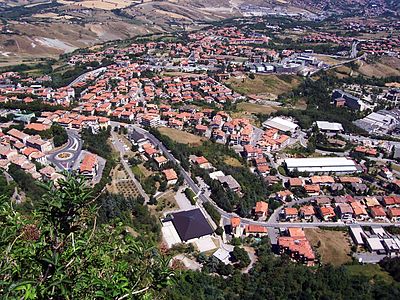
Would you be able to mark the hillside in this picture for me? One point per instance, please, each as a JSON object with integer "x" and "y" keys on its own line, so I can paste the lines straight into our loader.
{"x": 41, "y": 28}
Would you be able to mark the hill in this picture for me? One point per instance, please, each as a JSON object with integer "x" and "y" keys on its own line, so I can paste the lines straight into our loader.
{"x": 41, "y": 28}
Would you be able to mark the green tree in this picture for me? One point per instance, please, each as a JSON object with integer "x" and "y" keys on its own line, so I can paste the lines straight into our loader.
{"x": 60, "y": 136}
{"x": 240, "y": 257}
{"x": 59, "y": 253}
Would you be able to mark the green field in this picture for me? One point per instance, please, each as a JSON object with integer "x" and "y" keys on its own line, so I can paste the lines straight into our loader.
{"x": 372, "y": 272}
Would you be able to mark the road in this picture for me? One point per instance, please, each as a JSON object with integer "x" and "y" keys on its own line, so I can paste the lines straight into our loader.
{"x": 270, "y": 223}
{"x": 119, "y": 146}
{"x": 83, "y": 76}
{"x": 354, "y": 52}
{"x": 73, "y": 147}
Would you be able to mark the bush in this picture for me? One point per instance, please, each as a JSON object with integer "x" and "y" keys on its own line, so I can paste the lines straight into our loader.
{"x": 214, "y": 214}
{"x": 190, "y": 195}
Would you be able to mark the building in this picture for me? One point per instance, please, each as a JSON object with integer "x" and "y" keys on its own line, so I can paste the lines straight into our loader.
{"x": 227, "y": 181}
{"x": 236, "y": 229}
{"x": 357, "y": 234}
{"x": 39, "y": 144}
{"x": 359, "y": 211}
{"x": 255, "y": 230}
{"x": 170, "y": 176}
{"x": 281, "y": 124}
{"x": 191, "y": 225}
{"x": 326, "y": 213}
{"x": 321, "y": 165}
{"x": 378, "y": 213}
{"x": 381, "y": 121}
{"x": 19, "y": 135}
{"x": 344, "y": 211}
{"x": 297, "y": 246}
{"x": 394, "y": 214}
{"x": 290, "y": 214}
{"x": 373, "y": 244}
{"x": 261, "y": 209}
{"x": 89, "y": 166}
{"x": 160, "y": 160}
{"x": 329, "y": 127}
{"x": 307, "y": 212}
{"x": 339, "y": 97}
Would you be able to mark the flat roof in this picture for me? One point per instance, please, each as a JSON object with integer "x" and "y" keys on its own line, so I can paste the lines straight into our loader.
{"x": 170, "y": 234}
{"x": 357, "y": 233}
{"x": 375, "y": 244}
{"x": 323, "y": 125}
{"x": 223, "y": 255}
{"x": 281, "y": 124}
{"x": 319, "y": 162}
{"x": 322, "y": 164}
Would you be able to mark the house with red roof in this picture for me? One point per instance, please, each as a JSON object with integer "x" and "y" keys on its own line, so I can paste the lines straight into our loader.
{"x": 170, "y": 176}
{"x": 89, "y": 165}
{"x": 261, "y": 209}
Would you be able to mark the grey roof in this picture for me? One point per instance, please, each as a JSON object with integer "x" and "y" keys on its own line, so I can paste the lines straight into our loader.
{"x": 230, "y": 182}
{"x": 191, "y": 224}
{"x": 136, "y": 136}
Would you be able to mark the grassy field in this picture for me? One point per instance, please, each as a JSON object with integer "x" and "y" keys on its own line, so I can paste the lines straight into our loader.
{"x": 181, "y": 136}
{"x": 383, "y": 68}
{"x": 166, "y": 202}
{"x": 373, "y": 272}
{"x": 256, "y": 108}
{"x": 233, "y": 162}
{"x": 267, "y": 86}
{"x": 101, "y": 4}
{"x": 328, "y": 60}
{"x": 141, "y": 172}
{"x": 333, "y": 246}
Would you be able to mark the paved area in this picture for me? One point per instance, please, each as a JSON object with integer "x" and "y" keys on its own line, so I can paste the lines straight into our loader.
{"x": 370, "y": 258}
{"x": 205, "y": 244}
{"x": 73, "y": 147}
{"x": 188, "y": 263}
{"x": 182, "y": 201}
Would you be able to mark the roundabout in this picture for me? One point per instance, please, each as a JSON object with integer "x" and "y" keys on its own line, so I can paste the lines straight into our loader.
{"x": 64, "y": 156}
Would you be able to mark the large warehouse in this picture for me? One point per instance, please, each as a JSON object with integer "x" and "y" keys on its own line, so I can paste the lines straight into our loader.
{"x": 281, "y": 124}
{"x": 322, "y": 165}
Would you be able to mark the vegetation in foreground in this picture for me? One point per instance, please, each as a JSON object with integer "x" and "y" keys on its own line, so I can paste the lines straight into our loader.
{"x": 58, "y": 252}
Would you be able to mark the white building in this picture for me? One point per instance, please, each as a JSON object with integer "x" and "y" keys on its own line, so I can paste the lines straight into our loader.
{"x": 322, "y": 165}
{"x": 281, "y": 124}
{"x": 329, "y": 127}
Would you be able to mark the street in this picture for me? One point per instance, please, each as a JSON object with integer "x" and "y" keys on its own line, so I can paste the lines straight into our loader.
{"x": 73, "y": 147}
{"x": 272, "y": 222}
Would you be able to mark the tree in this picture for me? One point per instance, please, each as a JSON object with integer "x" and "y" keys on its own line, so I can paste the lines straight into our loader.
{"x": 60, "y": 136}
{"x": 60, "y": 253}
{"x": 240, "y": 257}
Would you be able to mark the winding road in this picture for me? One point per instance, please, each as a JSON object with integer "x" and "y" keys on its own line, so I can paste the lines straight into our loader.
{"x": 73, "y": 147}
{"x": 272, "y": 222}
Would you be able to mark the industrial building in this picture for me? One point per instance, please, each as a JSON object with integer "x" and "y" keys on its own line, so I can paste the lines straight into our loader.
{"x": 281, "y": 124}
{"x": 322, "y": 165}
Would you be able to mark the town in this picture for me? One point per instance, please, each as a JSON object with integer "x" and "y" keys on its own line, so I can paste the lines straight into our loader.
{"x": 160, "y": 120}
